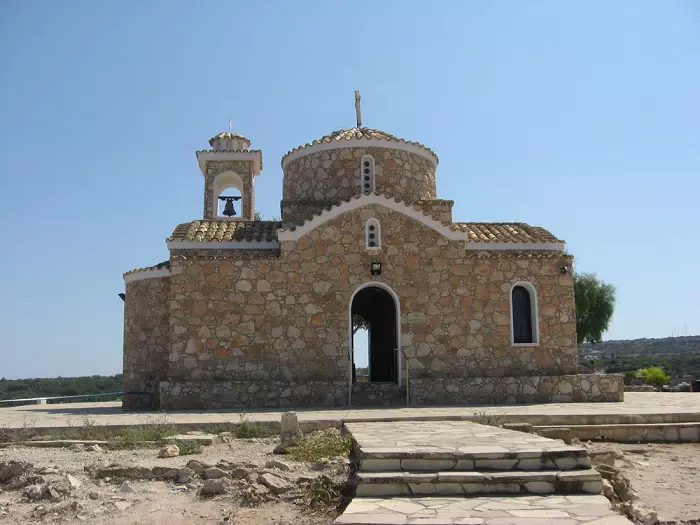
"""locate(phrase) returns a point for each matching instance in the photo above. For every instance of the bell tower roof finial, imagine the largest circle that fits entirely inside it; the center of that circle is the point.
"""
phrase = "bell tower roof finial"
(357, 108)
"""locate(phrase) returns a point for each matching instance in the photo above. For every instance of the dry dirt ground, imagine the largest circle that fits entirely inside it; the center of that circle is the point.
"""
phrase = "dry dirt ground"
(665, 477)
(103, 502)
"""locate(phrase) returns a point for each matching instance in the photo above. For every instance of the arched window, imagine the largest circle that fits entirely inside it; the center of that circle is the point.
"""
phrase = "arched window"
(373, 234)
(523, 311)
(367, 174)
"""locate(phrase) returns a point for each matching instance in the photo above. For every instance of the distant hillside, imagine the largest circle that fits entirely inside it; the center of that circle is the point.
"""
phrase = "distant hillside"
(59, 386)
(678, 356)
(688, 345)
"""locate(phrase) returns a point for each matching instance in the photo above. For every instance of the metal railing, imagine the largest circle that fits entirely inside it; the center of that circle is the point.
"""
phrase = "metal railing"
(45, 399)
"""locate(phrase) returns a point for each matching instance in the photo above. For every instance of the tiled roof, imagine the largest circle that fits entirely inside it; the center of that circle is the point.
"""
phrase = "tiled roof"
(359, 134)
(227, 135)
(343, 202)
(226, 230)
(513, 232)
(159, 266)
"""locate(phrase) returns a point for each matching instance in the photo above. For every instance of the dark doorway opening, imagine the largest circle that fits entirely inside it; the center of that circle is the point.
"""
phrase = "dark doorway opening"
(378, 308)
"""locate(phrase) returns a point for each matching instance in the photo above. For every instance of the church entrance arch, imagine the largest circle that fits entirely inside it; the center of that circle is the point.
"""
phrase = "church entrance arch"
(379, 306)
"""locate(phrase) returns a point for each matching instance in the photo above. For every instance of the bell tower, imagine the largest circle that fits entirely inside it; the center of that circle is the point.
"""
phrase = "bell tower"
(229, 164)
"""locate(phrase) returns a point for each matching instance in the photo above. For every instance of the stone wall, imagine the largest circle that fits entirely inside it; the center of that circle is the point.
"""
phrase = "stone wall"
(244, 169)
(588, 388)
(146, 337)
(220, 393)
(296, 212)
(334, 175)
(266, 323)
(439, 209)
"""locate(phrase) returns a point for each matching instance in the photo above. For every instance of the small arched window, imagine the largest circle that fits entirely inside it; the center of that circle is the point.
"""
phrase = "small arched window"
(373, 234)
(523, 306)
(367, 174)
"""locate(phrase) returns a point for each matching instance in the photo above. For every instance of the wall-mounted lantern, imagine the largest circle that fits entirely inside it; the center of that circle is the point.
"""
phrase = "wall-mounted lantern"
(376, 268)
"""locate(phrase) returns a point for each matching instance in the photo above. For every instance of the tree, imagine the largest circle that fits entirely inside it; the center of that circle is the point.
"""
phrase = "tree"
(359, 323)
(595, 303)
(654, 375)
(258, 216)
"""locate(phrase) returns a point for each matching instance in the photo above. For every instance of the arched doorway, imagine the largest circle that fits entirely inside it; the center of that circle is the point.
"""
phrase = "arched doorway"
(378, 306)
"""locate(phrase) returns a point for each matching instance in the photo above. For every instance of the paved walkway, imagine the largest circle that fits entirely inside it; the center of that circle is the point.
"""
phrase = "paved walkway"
(446, 439)
(638, 407)
(493, 510)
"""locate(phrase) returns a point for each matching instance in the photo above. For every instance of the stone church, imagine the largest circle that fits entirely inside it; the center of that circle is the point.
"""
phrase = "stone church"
(255, 313)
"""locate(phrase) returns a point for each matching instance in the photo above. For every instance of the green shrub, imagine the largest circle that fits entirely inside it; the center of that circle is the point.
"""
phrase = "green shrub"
(323, 493)
(251, 429)
(654, 375)
(319, 445)
(190, 447)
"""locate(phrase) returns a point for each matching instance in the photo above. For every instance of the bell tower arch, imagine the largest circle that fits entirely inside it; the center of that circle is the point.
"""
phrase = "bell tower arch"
(229, 164)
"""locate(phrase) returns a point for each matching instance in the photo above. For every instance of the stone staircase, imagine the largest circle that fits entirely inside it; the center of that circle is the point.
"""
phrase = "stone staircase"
(471, 472)
(566, 470)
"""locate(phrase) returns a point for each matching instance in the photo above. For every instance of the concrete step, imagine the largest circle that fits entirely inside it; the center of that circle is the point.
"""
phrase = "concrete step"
(474, 458)
(412, 484)
(631, 433)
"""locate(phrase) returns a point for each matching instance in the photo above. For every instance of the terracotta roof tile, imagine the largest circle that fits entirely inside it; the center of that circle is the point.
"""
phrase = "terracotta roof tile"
(515, 232)
(358, 134)
(159, 266)
(226, 230)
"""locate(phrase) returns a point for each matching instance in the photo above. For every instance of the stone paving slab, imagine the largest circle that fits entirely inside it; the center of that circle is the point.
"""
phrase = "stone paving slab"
(452, 440)
(505, 510)
(638, 407)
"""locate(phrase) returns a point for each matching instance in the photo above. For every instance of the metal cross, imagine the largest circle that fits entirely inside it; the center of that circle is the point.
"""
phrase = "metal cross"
(357, 108)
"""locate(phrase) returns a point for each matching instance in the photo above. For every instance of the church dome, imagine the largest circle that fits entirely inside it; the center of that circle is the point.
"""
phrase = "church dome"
(229, 141)
(340, 136)
(355, 161)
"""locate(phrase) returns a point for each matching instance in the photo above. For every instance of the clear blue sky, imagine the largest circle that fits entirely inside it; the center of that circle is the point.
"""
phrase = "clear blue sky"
(583, 117)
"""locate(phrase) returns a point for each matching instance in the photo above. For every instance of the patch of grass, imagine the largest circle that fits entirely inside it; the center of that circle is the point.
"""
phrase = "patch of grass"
(247, 429)
(127, 437)
(12, 435)
(324, 493)
(487, 418)
(187, 448)
(327, 443)
(218, 428)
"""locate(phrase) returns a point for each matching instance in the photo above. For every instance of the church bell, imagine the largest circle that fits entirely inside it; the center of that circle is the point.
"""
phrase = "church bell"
(229, 211)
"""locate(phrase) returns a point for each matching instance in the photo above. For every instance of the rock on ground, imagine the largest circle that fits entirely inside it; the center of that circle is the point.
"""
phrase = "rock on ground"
(11, 469)
(169, 451)
(214, 473)
(276, 484)
(212, 487)
(280, 465)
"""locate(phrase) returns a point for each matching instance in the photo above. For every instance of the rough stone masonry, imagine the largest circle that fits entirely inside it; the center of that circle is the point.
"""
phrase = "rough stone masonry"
(253, 313)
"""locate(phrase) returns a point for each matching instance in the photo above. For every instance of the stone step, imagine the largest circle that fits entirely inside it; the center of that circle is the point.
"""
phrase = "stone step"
(630, 433)
(413, 484)
(482, 458)
(491, 510)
